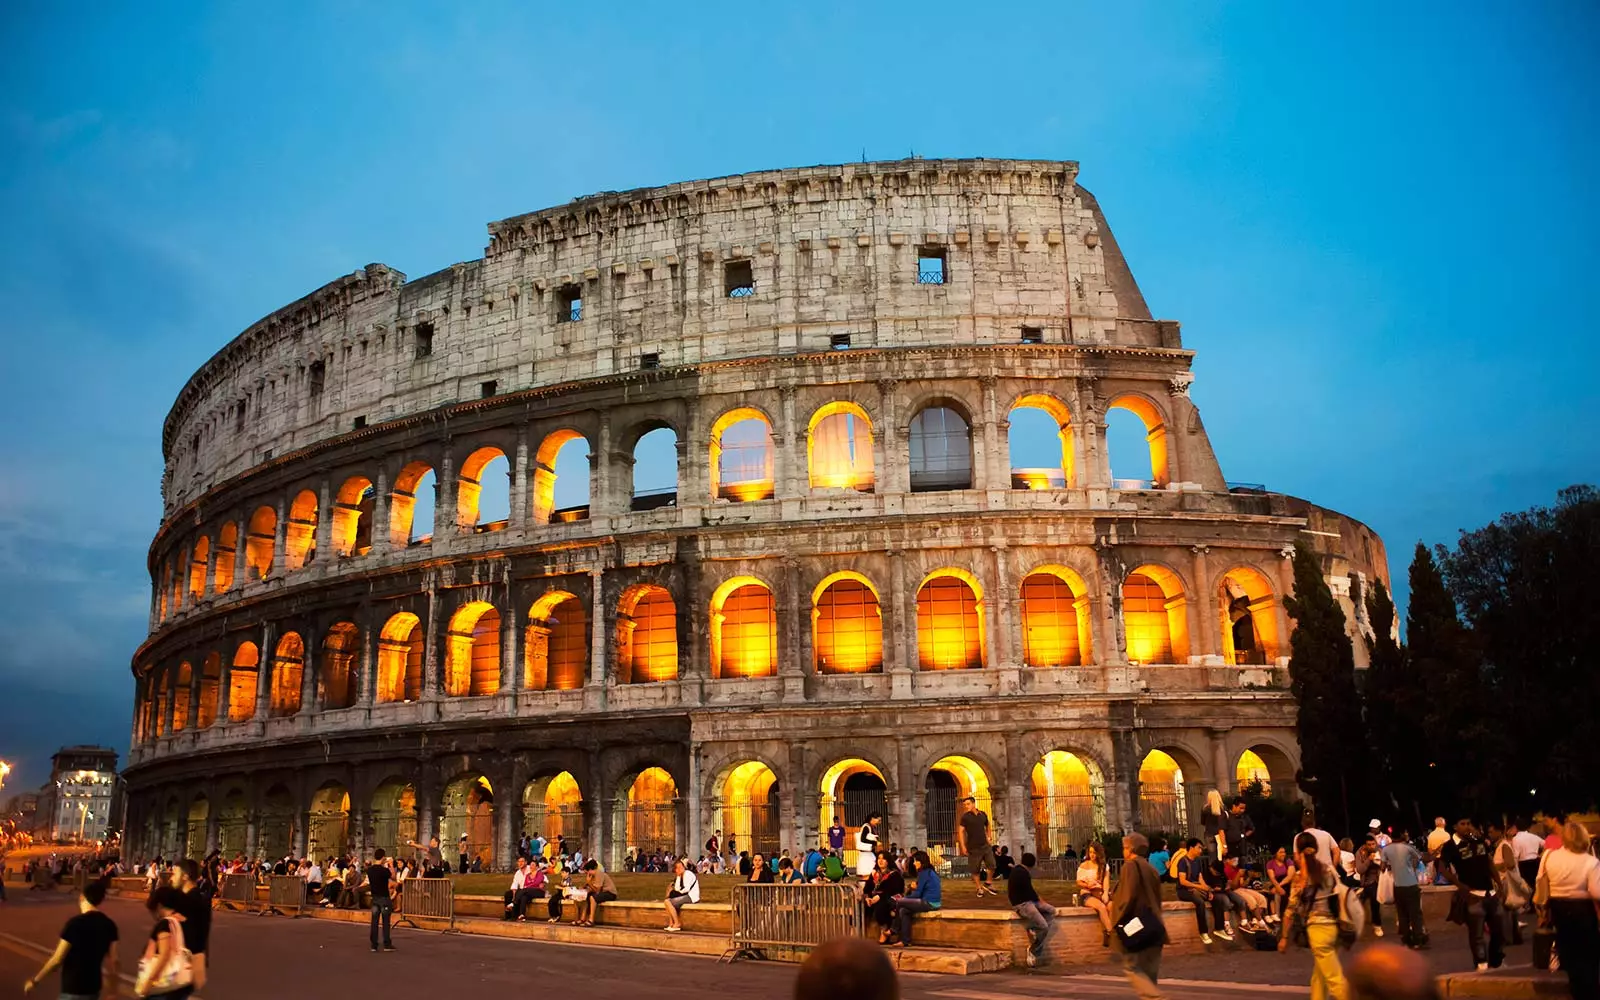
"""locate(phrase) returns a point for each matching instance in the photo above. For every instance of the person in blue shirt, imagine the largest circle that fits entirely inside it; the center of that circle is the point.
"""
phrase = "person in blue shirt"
(811, 865)
(924, 895)
(1161, 859)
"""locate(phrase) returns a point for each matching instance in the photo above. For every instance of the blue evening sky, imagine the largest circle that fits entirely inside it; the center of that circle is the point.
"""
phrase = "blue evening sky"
(1376, 223)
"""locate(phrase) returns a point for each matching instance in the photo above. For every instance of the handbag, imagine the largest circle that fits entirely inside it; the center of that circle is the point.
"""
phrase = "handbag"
(1140, 927)
(176, 974)
(1385, 887)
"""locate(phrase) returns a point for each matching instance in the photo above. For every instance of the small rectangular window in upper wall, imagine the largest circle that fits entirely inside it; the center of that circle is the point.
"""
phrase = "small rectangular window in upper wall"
(488, 388)
(1032, 335)
(738, 280)
(650, 362)
(569, 304)
(318, 377)
(932, 266)
(360, 422)
(424, 339)
(839, 341)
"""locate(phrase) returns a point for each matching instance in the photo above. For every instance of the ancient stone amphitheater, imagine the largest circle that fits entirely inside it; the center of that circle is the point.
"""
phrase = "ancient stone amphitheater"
(694, 508)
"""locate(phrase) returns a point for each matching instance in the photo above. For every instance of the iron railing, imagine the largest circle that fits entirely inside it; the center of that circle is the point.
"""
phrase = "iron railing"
(237, 891)
(795, 916)
(742, 291)
(433, 898)
(930, 276)
(286, 895)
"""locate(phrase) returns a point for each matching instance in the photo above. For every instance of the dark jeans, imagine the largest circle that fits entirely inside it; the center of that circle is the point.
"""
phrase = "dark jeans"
(1408, 913)
(382, 909)
(517, 904)
(553, 907)
(1485, 913)
(1219, 910)
(1369, 893)
(1578, 944)
(903, 912)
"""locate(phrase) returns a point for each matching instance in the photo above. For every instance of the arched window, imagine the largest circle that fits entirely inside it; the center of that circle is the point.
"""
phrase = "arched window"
(400, 659)
(260, 542)
(1163, 801)
(552, 807)
(652, 821)
(472, 665)
(227, 553)
(1249, 618)
(179, 573)
(182, 678)
(243, 677)
(744, 630)
(847, 626)
(941, 451)
(949, 624)
(561, 479)
(839, 448)
(288, 674)
(556, 656)
(1068, 801)
(352, 517)
(752, 807)
(210, 677)
(1055, 619)
(340, 649)
(300, 534)
(198, 565)
(411, 506)
(1040, 442)
(1154, 616)
(647, 635)
(741, 456)
(1127, 457)
(468, 819)
(483, 491)
(655, 470)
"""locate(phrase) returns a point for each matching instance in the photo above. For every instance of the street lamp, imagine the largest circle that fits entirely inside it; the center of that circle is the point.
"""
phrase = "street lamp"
(5, 769)
(84, 812)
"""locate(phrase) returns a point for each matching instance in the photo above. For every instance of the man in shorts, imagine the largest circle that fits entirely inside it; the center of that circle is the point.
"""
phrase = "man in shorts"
(972, 838)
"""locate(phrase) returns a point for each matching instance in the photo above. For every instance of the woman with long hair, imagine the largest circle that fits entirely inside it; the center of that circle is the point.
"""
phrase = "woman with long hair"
(1214, 818)
(1312, 894)
(882, 886)
(1094, 881)
(1569, 887)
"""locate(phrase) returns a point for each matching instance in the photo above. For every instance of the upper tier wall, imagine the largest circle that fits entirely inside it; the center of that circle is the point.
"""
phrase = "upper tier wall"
(831, 249)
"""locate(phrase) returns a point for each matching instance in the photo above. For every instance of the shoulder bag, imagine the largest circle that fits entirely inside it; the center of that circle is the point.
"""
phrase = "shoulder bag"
(1140, 927)
(176, 974)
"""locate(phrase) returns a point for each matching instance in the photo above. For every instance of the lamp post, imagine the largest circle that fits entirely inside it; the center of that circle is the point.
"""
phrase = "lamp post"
(84, 812)
(5, 769)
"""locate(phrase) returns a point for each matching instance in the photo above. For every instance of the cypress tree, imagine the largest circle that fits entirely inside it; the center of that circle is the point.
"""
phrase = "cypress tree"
(1395, 701)
(1455, 721)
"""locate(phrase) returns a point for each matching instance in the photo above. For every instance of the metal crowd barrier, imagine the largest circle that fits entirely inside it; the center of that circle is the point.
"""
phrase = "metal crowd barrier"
(791, 916)
(286, 895)
(427, 897)
(237, 891)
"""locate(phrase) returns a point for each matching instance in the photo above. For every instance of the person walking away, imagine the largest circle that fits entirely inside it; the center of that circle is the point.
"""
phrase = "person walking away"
(685, 889)
(1094, 887)
(196, 912)
(867, 844)
(1568, 882)
(1514, 893)
(879, 893)
(1466, 857)
(1037, 915)
(1138, 896)
(972, 839)
(1526, 846)
(379, 878)
(1402, 859)
(1368, 867)
(86, 952)
(1192, 888)
(925, 894)
(1312, 895)
(165, 970)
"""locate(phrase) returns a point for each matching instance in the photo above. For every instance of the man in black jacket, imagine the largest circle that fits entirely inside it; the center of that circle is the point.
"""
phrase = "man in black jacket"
(1139, 895)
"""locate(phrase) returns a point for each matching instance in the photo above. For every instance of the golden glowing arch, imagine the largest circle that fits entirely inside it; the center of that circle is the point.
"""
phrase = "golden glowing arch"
(472, 662)
(469, 487)
(1057, 620)
(403, 503)
(951, 625)
(1155, 615)
(846, 624)
(1249, 618)
(1062, 415)
(400, 659)
(744, 628)
(544, 471)
(839, 448)
(300, 534)
(751, 476)
(1155, 427)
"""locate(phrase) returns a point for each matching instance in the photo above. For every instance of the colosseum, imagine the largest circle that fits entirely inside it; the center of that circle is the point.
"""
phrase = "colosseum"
(701, 508)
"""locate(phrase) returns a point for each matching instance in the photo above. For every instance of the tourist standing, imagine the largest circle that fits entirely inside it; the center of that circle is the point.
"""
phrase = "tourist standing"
(1403, 860)
(1037, 915)
(1368, 868)
(1466, 857)
(434, 868)
(836, 836)
(1569, 881)
(87, 950)
(867, 844)
(1327, 847)
(972, 839)
(1214, 818)
(1138, 896)
(1526, 846)
(1312, 893)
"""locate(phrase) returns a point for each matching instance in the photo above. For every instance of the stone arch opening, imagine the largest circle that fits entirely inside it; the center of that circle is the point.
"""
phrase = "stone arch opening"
(483, 491)
(556, 646)
(210, 678)
(1155, 616)
(1128, 461)
(647, 635)
(553, 808)
(353, 511)
(1267, 764)
(467, 826)
(172, 828)
(949, 780)
(179, 570)
(940, 443)
(655, 470)
(1069, 806)
(472, 661)
(233, 821)
(752, 806)
(1164, 790)
(744, 629)
(243, 678)
(839, 448)
(411, 505)
(227, 554)
(1039, 441)
(394, 816)
(182, 679)
(198, 564)
(194, 841)
(652, 811)
(288, 674)
(300, 534)
(847, 625)
(260, 541)
(742, 456)
(561, 479)
(853, 789)
(1249, 613)
(341, 651)
(275, 830)
(950, 621)
(1056, 622)
(400, 659)
(328, 829)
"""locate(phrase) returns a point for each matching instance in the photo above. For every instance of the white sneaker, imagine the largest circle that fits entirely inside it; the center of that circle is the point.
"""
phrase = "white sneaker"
(1205, 939)
(1377, 932)
(1483, 966)
(1225, 935)
(1032, 960)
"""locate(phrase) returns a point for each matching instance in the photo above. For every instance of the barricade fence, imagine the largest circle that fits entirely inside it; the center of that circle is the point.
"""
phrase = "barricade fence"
(798, 916)
(427, 897)
(237, 891)
(286, 894)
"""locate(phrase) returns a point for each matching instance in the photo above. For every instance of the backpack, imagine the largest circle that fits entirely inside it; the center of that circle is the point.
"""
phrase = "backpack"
(1172, 866)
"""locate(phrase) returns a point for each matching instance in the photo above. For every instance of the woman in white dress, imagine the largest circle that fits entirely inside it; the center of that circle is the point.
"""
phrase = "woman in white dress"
(867, 845)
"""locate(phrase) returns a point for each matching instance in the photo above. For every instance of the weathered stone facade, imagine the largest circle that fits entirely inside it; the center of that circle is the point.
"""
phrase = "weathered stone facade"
(291, 700)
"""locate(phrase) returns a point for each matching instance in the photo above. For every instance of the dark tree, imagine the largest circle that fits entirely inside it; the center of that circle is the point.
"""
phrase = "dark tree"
(1334, 759)
(1396, 699)
(1523, 584)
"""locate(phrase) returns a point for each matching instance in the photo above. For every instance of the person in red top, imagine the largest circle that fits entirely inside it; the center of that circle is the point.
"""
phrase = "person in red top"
(1552, 840)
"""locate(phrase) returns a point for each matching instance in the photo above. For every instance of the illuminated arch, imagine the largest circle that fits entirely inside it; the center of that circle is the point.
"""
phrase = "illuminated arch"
(846, 625)
(198, 564)
(556, 650)
(1163, 794)
(950, 621)
(744, 629)
(1155, 434)
(469, 489)
(742, 456)
(652, 810)
(1249, 613)
(195, 827)
(352, 517)
(328, 832)
(227, 553)
(751, 806)
(469, 810)
(1068, 795)
(179, 574)
(553, 808)
(403, 505)
(1155, 616)
(939, 438)
(260, 541)
(839, 448)
(210, 677)
(243, 678)
(341, 649)
(400, 659)
(288, 674)
(1061, 474)
(300, 534)
(949, 780)
(851, 789)
(394, 815)
(1267, 764)
(657, 451)
(472, 663)
(647, 635)
(553, 454)
(182, 678)
(1056, 620)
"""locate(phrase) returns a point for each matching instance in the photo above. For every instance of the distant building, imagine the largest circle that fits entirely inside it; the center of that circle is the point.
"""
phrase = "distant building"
(75, 804)
(17, 815)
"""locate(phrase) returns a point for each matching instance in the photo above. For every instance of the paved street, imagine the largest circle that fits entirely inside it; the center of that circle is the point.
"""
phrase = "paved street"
(257, 958)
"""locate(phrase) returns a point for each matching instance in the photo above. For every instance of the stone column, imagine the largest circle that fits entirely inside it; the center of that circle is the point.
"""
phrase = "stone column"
(1204, 615)
(430, 648)
(603, 499)
(251, 841)
(213, 827)
(694, 832)
(889, 464)
(802, 836)
(984, 475)
(520, 516)
(381, 543)
(280, 542)
(322, 535)
(241, 544)
(789, 442)
(1111, 641)
(445, 527)
(694, 469)
(510, 658)
(907, 788)
(225, 686)
(1016, 826)
(369, 662)
(310, 664)
(302, 822)
(1001, 626)
(899, 652)
(264, 664)
(506, 822)
(599, 660)
(1223, 773)
(788, 612)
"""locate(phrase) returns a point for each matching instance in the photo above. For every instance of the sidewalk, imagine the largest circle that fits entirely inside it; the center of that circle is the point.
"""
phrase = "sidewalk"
(1506, 983)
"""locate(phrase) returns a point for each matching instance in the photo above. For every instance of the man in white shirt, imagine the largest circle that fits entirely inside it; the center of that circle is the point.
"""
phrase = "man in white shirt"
(1327, 847)
(1525, 847)
(519, 895)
